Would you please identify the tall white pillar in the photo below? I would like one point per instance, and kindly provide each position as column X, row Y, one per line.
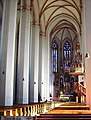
column 43, row 60
column 31, row 74
column 40, row 69
column 87, row 8
column 7, row 52
column 34, row 64
column 23, row 55
column 47, row 71
column 44, row 68
column 31, row 64
column 45, row 91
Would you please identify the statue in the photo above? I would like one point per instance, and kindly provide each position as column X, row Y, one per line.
column 78, row 59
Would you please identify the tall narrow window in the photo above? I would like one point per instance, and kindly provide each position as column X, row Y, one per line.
column 54, row 56
column 67, row 54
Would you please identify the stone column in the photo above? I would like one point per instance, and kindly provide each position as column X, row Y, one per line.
column 30, row 63
column 31, row 70
column 47, row 73
column 87, row 39
column 34, row 63
column 7, row 52
column 23, row 55
column 42, row 63
column 45, row 69
column 40, row 69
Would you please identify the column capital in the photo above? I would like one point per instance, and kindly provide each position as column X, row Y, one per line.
column 36, row 23
column 24, row 6
column 42, row 33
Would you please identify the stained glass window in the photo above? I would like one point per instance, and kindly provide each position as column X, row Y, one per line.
column 54, row 56
column 67, row 54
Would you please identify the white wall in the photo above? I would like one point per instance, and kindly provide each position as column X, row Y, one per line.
column 87, row 8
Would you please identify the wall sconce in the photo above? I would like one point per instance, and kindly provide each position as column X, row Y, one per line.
column 34, row 82
column 87, row 55
column 3, row 72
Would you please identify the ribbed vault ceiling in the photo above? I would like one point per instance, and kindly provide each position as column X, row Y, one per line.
column 64, row 17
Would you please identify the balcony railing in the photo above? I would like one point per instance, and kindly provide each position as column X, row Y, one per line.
column 83, row 92
column 28, row 109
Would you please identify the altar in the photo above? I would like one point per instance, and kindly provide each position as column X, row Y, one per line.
column 65, row 97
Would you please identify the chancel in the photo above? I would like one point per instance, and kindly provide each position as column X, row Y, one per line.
column 44, row 46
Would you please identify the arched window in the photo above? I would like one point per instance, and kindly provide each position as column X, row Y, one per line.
column 54, row 56
column 67, row 54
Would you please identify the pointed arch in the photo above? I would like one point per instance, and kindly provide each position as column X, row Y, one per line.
column 67, row 53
